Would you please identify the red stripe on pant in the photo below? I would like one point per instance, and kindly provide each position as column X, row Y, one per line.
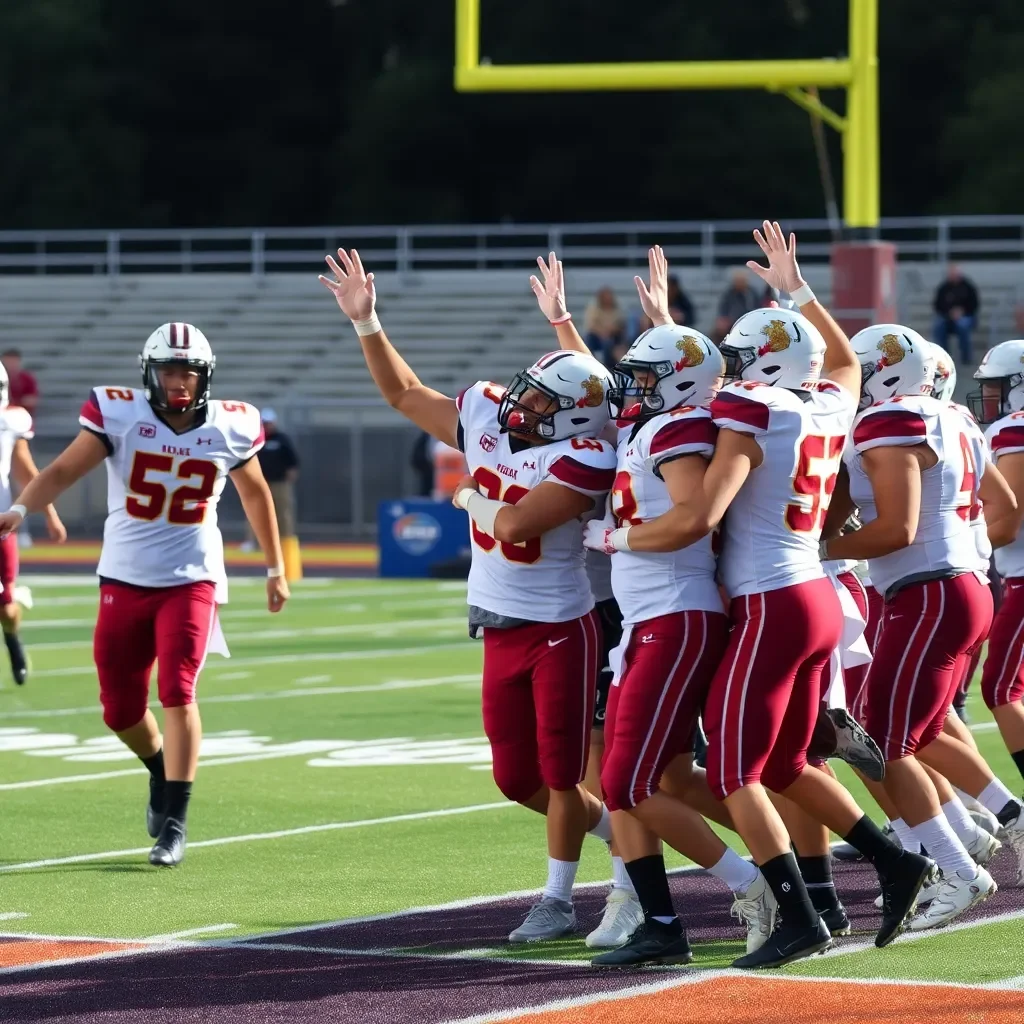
column 928, row 629
column 1002, row 679
column 668, row 668
column 539, row 683
column 764, row 698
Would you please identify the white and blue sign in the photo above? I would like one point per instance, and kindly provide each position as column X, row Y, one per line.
column 416, row 534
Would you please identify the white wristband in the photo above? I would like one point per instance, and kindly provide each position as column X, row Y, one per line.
column 483, row 511
column 563, row 319
column 371, row 325
column 803, row 295
column 275, row 572
column 619, row 539
column 20, row 509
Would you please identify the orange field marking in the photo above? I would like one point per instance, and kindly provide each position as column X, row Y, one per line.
column 30, row 952
column 767, row 1001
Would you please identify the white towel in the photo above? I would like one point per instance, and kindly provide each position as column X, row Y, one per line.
column 853, row 648
column 218, row 643
column 617, row 655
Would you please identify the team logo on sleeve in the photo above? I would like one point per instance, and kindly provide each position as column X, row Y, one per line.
column 779, row 338
column 488, row 443
column 892, row 351
column 147, row 430
column 593, row 393
column 692, row 353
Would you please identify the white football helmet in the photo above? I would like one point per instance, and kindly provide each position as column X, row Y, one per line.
column 685, row 366
column 774, row 346
column 5, row 387
column 894, row 360
column 945, row 374
column 176, row 343
column 1002, row 382
column 564, row 394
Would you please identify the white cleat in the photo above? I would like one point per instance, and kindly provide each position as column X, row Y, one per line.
column 622, row 917
column 1012, row 835
column 549, row 919
column 955, row 896
column 984, row 818
column 983, row 847
column 757, row 909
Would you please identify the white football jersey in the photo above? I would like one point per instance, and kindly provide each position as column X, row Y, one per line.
column 948, row 490
column 649, row 584
column 15, row 425
column 1006, row 437
column 979, row 527
column 163, row 487
column 773, row 526
column 543, row 579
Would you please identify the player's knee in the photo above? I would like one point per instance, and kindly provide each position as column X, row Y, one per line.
column 722, row 783
column 616, row 784
column 122, row 710
column 177, row 692
column 516, row 781
column 778, row 778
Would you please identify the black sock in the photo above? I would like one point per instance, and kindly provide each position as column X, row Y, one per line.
column 651, row 884
column 817, row 875
column 1018, row 760
column 176, row 799
column 783, row 878
column 155, row 764
column 1009, row 813
column 867, row 838
column 14, row 645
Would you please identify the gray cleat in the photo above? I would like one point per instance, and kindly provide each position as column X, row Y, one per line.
column 549, row 919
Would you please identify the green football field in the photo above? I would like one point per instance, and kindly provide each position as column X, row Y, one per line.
column 344, row 775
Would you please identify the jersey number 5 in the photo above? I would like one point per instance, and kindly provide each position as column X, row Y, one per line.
column 528, row 551
column 187, row 505
column 815, row 479
column 966, row 507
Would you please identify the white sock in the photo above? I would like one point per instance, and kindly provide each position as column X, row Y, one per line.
column 969, row 801
column 960, row 821
column 603, row 828
column 905, row 835
column 737, row 873
column 944, row 848
column 561, row 875
column 995, row 796
column 620, row 876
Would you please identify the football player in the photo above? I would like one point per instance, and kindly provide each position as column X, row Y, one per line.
column 781, row 434
column 537, row 467
column 16, row 464
column 914, row 472
column 169, row 450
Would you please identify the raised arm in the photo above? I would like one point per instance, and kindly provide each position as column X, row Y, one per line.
column 551, row 299
column 783, row 274
column 354, row 290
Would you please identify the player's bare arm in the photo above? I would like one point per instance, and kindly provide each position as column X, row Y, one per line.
column 24, row 471
column 783, row 273
column 840, row 508
column 545, row 507
column 895, row 475
column 258, row 505
column 736, row 455
column 84, row 454
column 356, row 295
column 1003, row 510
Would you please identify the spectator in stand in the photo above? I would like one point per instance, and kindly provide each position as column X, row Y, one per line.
column 24, row 390
column 739, row 298
column 604, row 324
column 280, row 464
column 956, row 309
column 679, row 304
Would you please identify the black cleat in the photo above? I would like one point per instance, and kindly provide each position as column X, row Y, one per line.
column 170, row 845
column 19, row 660
column 855, row 746
column 785, row 945
column 837, row 921
column 155, row 809
column 651, row 943
column 900, row 887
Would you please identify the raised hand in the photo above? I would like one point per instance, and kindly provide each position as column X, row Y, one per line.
column 550, row 294
column 352, row 286
column 654, row 297
column 783, row 271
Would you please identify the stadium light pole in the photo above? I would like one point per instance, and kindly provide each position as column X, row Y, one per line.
column 857, row 74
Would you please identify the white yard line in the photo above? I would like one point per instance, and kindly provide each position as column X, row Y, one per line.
column 189, row 933
column 13, row 915
column 246, row 698
column 254, row 837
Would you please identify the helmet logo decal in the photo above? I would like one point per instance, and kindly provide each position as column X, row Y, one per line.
column 693, row 355
column 892, row 351
column 183, row 341
column 593, row 393
column 778, row 337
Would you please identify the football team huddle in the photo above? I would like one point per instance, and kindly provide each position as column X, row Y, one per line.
column 697, row 579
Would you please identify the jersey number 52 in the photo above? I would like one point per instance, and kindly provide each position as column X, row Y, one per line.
column 149, row 498
column 814, row 481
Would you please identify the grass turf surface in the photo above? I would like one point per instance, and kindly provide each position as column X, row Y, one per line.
column 360, row 703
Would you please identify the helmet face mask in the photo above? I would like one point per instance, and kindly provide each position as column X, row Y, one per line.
column 1001, row 380
column 183, row 347
column 528, row 408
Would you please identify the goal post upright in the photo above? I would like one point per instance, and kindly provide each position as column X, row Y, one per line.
column 857, row 74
